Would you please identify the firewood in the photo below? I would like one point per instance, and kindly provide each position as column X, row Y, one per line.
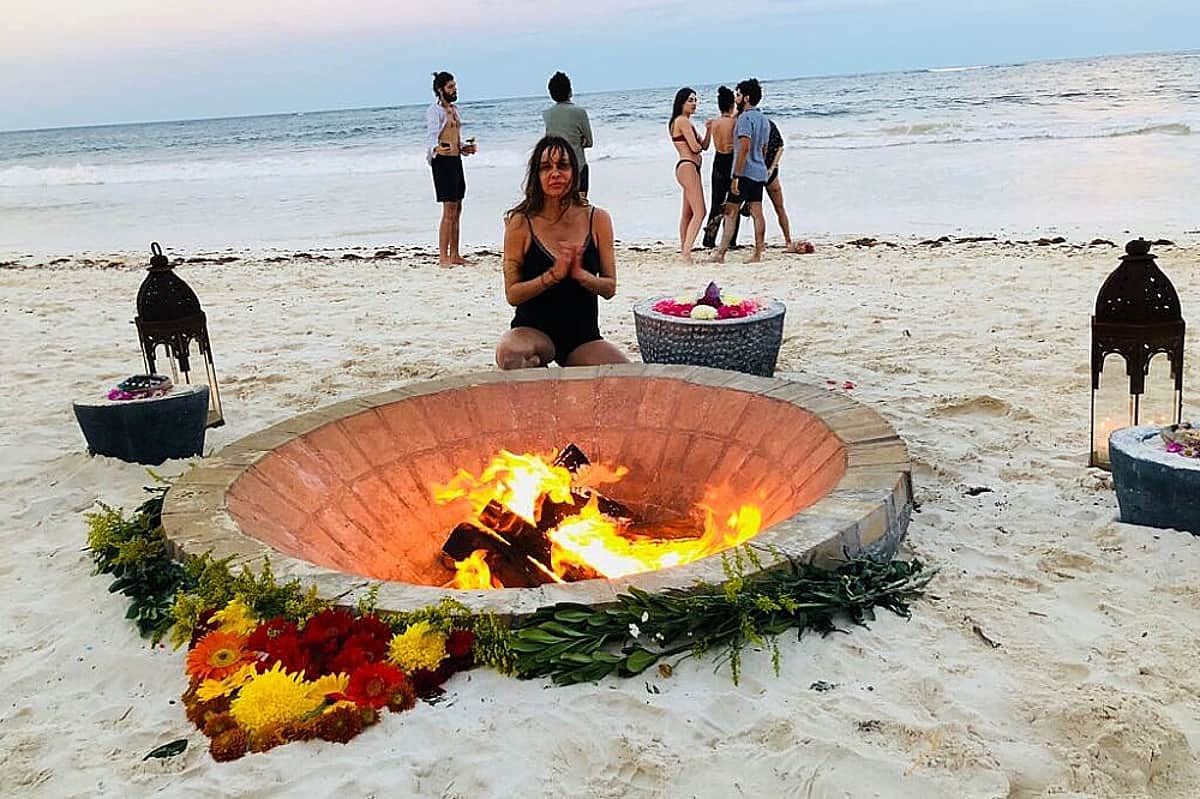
column 571, row 458
column 511, row 566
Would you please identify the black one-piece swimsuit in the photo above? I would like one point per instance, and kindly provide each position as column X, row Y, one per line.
column 566, row 312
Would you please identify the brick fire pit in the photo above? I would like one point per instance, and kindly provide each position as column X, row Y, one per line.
column 341, row 497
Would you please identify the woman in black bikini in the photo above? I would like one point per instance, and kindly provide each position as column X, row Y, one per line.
column 558, row 257
column 687, row 168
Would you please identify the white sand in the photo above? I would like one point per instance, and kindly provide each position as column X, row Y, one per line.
column 977, row 353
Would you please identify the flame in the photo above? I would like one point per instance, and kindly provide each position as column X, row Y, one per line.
column 589, row 541
column 592, row 540
column 472, row 572
column 518, row 482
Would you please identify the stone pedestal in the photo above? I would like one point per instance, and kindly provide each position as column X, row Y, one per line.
column 147, row 431
column 1154, row 487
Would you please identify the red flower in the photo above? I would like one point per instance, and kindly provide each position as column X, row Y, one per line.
column 375, row 648
column 371, row 627
column 349, row 660
column 288, row 651
column 325, row 630
column 673, row 308
column 426, row 683
column 374, row 684
column 459, row 643
column 267, row 632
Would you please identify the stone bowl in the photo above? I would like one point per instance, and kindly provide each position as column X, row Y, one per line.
column 1154, row 487
column 148, row 431
column 750, row 344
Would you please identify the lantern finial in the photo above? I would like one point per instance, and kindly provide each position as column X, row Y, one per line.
column 1138, row 247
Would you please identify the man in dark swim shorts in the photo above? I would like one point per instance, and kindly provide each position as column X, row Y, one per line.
column 444, row 149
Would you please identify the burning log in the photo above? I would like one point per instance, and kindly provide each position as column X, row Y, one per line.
column 553, row 513
column 520, row 534
column 594, row 535
column 571, row 458
column 511, row 565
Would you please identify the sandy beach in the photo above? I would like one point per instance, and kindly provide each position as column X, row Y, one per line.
column 1054, row 657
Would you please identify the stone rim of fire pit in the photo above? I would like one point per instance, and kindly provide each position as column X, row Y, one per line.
column 866, row 512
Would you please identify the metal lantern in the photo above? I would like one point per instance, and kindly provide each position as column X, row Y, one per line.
column 1137, row 317
column 169, row 315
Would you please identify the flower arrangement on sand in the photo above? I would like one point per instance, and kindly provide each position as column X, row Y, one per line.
column 711, row 304
column 254, row 684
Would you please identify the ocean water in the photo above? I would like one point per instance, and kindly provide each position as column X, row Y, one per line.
column 1093, row 147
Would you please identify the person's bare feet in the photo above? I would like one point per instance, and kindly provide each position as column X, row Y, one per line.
column 755, row 258
column 718, row 257
column 460, row 261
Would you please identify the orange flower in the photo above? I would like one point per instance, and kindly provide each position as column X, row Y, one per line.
column 217, row 655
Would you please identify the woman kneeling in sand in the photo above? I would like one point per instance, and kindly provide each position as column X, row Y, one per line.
column 558, row 256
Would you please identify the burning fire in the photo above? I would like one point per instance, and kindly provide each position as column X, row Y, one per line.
column 550, row 506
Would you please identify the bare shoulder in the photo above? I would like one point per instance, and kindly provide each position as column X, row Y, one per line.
column 514, row 223
column 601, row 219
column 516, row 233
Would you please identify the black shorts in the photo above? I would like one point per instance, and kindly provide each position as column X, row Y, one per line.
column 583, row 179
column 449, row 182
column 749, row 191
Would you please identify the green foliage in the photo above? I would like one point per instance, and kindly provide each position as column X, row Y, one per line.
column 570, row 643
column 368, row 604
column 576, row 643
column 210, row 585
column 133, row 550
column 493, row 644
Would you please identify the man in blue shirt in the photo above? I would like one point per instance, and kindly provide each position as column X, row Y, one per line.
column 749, row 169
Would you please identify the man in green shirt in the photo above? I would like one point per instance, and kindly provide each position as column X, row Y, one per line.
column 568, row 120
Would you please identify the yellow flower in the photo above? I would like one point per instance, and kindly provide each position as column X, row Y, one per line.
column 236, row 618
column 418, row 647
column 211, row 689
column 730, row 300
column 329, row 684
column 272, row 698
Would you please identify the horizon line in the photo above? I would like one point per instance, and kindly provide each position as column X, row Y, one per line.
column 482, row 100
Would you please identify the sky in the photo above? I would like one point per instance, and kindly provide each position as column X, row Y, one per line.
column 85, row 62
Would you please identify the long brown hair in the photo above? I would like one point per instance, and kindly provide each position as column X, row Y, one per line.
column 535, row 199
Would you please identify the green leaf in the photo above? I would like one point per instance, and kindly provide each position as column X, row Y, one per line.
column 536, row 635
column 572, row 616
column 559, row 629
column 169, row 749
column 638, row 661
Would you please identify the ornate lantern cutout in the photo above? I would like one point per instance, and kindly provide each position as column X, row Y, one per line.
column 1137, row 317
column 169, row 315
